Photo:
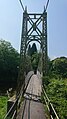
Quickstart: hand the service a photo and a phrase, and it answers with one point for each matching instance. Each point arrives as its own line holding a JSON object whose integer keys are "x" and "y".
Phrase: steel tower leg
{"x": 44, "y": 44}
{"x": 21, "y": 75}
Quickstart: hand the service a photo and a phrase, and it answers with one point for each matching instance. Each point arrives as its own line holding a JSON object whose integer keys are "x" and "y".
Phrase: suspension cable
{"x": 21, "y": 5}
{"x": 47, "y": 5}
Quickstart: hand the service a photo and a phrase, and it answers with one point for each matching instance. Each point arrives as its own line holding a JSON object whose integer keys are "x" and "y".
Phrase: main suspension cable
{"x": 21, "y": 5}
{"x": 47, "y": 5}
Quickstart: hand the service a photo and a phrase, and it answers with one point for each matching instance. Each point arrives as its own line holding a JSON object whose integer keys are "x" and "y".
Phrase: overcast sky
{"x": 11, "y": 23}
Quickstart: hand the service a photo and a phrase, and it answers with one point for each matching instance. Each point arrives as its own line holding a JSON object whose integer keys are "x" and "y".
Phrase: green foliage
{"x": 3, "y": 106}
{"x": 35, "y": 61}
{"x": 59, "y": 67}
{"x": 28, "y": 64}
{"x": 29, "y": 50}
{"x": 57, "y": 92}
{"x": 56, "y": 85}
{"x": 32, "y": 50}
{"x": 9, "y": 62}
{"x": 34, "y": 56}
{"x": 46, "y": 80}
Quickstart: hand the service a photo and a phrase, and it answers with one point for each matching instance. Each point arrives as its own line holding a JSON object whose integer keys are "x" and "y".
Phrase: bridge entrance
{"x": 34, "y": 28}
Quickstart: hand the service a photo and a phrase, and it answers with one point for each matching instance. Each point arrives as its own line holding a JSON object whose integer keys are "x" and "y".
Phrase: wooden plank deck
{"x": 34, "y": 109}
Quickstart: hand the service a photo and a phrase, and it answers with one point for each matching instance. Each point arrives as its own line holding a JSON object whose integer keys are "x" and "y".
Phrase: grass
{"x": 3, "y": 106}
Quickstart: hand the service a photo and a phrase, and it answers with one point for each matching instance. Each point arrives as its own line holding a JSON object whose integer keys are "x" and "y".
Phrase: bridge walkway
{"x": 32, "y": 107}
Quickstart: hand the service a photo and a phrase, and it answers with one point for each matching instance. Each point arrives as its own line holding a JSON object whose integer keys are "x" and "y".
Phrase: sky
{"x": 11, "y": 15}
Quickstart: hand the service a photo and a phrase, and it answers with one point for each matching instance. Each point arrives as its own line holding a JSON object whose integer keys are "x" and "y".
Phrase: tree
{"x": 56, "y": 85}
{"x": 33, "y": 56}
{"x": 28, "y": 66}
{"x": 35, "y": 61}
{"x": 59, "y": 66}
{"x": 9, "y": 62}
{"x": 29, "y": 50}
{"x": 33, "y": 49}
{"x": 57, "y": 92}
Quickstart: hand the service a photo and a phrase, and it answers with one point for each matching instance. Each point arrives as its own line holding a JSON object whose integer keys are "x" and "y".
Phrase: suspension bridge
{"x": 28, "y": 102}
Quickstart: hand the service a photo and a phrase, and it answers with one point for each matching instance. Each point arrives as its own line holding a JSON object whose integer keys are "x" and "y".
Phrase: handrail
{"x": 24, "y": 108}
{"x": 12, "y": 113}
{"x": 9, "y": 112}
{"x": 53, "y": 114}
{"x": 54, "y": 111}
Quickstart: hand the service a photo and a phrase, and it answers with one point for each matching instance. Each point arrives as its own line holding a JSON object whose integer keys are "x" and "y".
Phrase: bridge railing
{"x": 12, "y": 113}
{"x": 52, "y": 112}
